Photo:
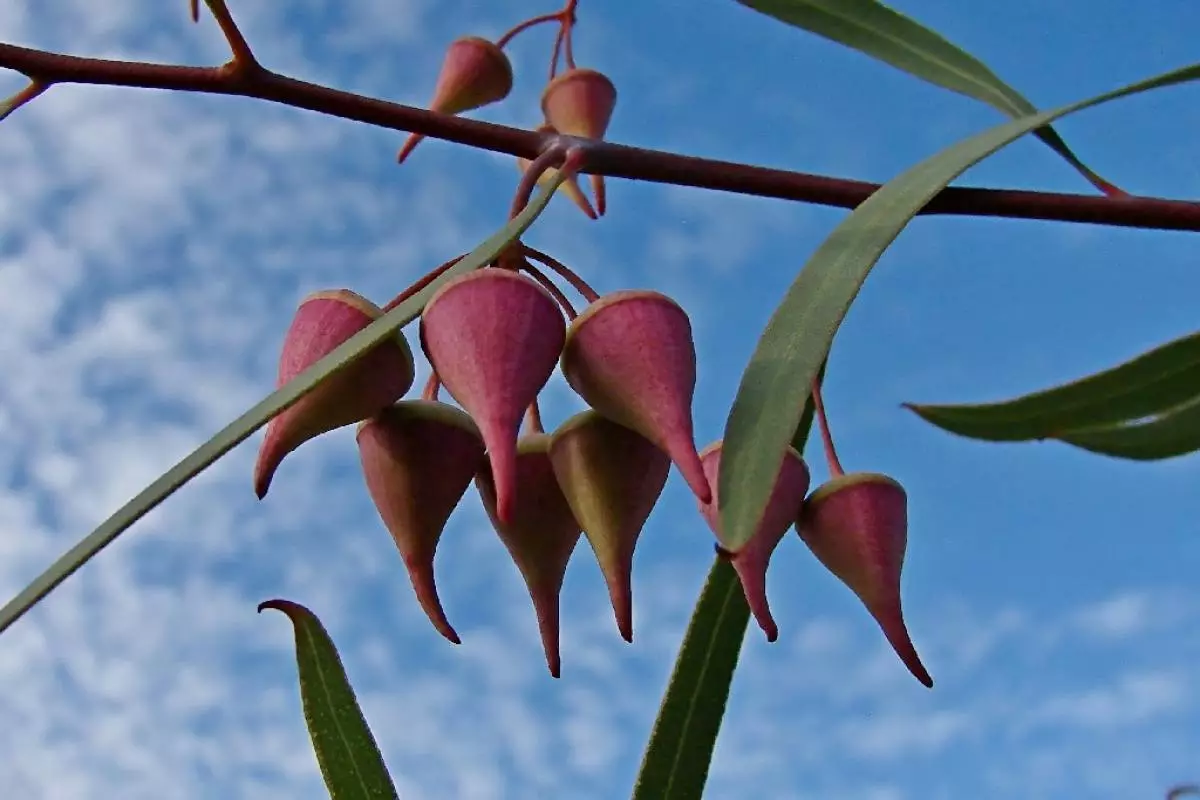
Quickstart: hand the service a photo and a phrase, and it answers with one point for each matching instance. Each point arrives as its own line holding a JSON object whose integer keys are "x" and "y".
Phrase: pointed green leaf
{"x": 1154, "y": 382}
{"x": 1172, "y": 433}
{"x": 350, "y": 761}
{"x": 677, "y": 757}
{"x": 889, "y": 36}
{"x": 245, "y": 425}
{"x": 800, "y": 332}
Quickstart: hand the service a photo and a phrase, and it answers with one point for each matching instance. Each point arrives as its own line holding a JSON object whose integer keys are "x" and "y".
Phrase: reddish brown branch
{"x": 602, "y": 157}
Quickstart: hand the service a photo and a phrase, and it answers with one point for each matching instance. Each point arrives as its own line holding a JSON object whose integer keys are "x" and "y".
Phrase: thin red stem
{"x": 604, "y": 158}
{"x": 831, "y": 457}
{"x": 533, "y": 418}
{"x": 526, "y": 25}
{"x": 429, "y": 278}
{"x": 432, "y": 386}
{"x": 550, "y": 287}
{"x": 20, "y": 98}
{"x": 579, "y": 284}
{"x": 568, "y": 44}
{"x": 243, "y": 57}
{"x": 529, "y": 178}
{"x": 558, "y": 43}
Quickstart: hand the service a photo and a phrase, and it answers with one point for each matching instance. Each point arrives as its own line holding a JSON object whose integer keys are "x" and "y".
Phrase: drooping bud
{"x": 611, "y": 477}
{"x": 630, "y": 355}
{"x": 418, "y": 458}
{"x": 857, "y": 526}
{"x": 379, "y": 378}
{"x": 570, "y": 186}
{"x": 580, "y": 102}
{"x": 475, "y": 72}
{"x": 493, "y": 337}
{"x": 540, "y": 534}
{"x": 751, "y": 561}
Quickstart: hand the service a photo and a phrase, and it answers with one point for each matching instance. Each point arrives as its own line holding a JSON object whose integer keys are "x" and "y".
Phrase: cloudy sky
{"x": 154, "y": 245}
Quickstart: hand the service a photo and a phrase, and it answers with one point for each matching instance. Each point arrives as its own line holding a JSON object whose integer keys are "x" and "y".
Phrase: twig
{"x": 604, "y": 158}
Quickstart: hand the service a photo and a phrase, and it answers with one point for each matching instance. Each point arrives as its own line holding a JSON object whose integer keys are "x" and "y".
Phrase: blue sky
{"x": 153, "y": 247}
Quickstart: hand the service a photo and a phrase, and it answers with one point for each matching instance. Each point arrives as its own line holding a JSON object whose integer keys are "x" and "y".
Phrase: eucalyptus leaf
{"x": 1154, "y": 382}
{"x": 876, "y": 30}
{"x": 262, "y": 413}
{"x": 1173, "y": 433}
{"x": 801, "y": 330}
{"x": 347, "y": 754}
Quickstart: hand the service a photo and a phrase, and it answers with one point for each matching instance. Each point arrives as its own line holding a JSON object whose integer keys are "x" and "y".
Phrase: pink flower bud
{"x": 493, "y": 337}
{"x": 379, "y": 378}
{"x": 475, "y": 72}
{"x": 857, "y": 526}
{"x": 580, "y": 102}
{"x": 752, "y": 560}
{"x": 540, "y": 534}
{"x": 630, "y": 356}
{"x": 418, "y": 458}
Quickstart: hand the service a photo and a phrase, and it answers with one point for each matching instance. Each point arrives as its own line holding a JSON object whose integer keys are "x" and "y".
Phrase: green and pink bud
{"x": 418, "y": 459}
{"x": 611, "y": 477}
{"x": 540, "y": 534}
{"x": 580, "y": 102}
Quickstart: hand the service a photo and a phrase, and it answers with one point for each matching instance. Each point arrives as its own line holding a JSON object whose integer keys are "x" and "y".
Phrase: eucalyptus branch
{"x": 45, "y": 68}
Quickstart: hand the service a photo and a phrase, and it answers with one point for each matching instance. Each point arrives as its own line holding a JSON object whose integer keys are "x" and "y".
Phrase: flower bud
{"x": 752, "y": 560}
{"x": 418, "y": 458}
{"x": 611, "y": 477}
{"x": 540, "y": 534}
{"x": 630, "y": 356}
{"x": 493, "y": 336}
{"x": 475, "y": 72}
{"x": 580, "y": 102}
{"x": 857, "y": 526}
{"x": 374, "y": 381}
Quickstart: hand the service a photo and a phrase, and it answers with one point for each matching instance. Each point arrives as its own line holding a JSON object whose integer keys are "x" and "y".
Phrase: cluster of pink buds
{"x": 855, "y": 524}
{"x": 493, "y": 338}
{"x": 577, "y": 102}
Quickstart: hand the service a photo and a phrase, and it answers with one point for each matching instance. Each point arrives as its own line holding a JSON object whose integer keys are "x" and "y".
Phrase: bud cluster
{"x": 493, "y": 338}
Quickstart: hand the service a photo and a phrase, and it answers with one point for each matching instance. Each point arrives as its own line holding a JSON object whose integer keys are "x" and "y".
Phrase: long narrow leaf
{"x": 1154, "y": 382}
{"x": 889, "y": 36}
{"x": 800, "y": 332}
{"x": 677, "y": 757}
{"x": 1168, "y": 435}
{"x": 245, "y": 425}
{"x": 350, "y": 761}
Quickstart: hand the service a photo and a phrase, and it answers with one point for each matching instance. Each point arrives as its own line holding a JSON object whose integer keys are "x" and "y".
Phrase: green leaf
{"x": 245, "y": 425}
{"x": 350, "y": 760}
{"x": 800, "y": 332}
{"x": 889, "y": 36}
{"x": 677, "y": 757}
{"x": 1173, "y": 433}
{"x": 1154, "y": 382}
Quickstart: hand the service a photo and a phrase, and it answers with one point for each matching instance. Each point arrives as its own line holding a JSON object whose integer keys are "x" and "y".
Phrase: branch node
{"x": 35, "y": 88}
